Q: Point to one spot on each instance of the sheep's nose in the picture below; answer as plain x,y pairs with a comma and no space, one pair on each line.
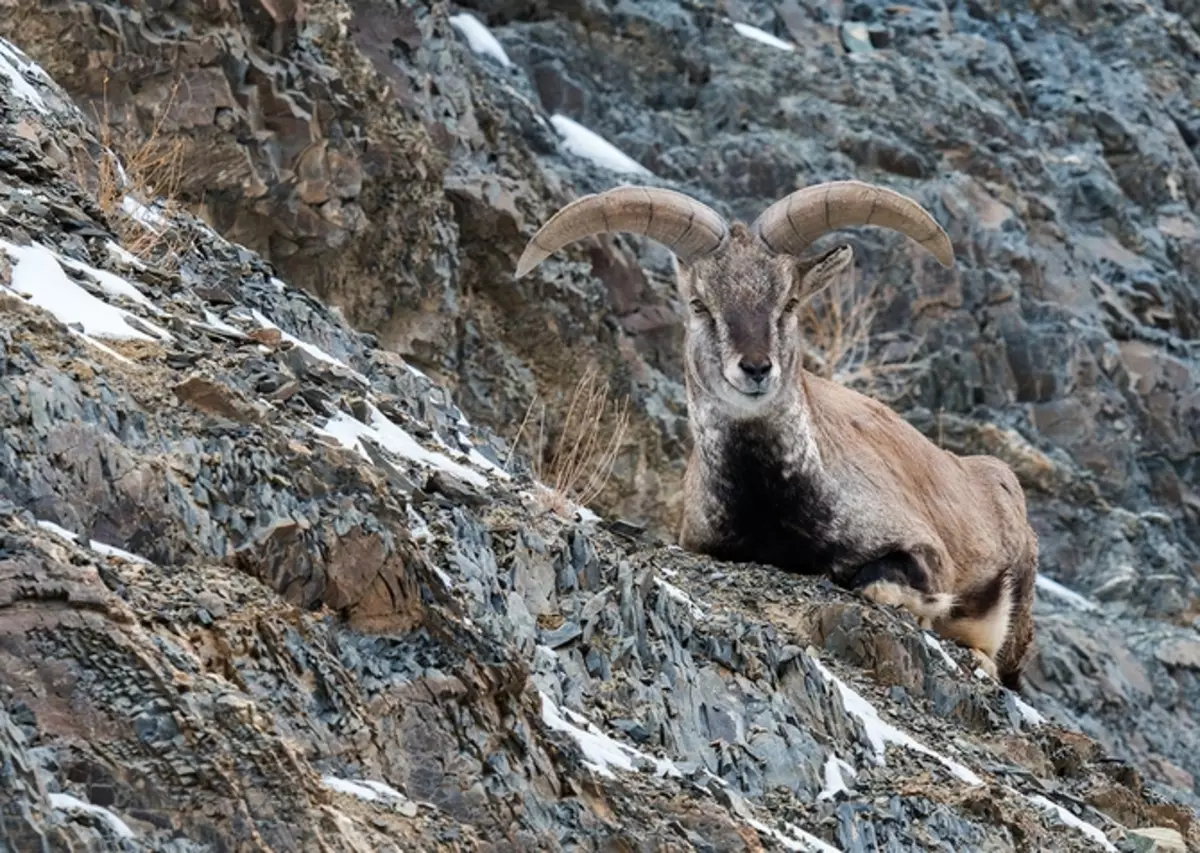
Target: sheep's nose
755,369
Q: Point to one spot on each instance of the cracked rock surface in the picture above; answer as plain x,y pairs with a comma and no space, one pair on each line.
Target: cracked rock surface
264,585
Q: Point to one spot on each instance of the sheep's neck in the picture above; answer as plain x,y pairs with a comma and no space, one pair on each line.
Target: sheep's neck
772,502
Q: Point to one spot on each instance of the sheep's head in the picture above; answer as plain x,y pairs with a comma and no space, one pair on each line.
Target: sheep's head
742,285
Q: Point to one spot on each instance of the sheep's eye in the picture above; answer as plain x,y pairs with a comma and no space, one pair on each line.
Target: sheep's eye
700,308
791,305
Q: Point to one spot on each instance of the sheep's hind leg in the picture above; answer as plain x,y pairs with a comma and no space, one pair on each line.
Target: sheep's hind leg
980,620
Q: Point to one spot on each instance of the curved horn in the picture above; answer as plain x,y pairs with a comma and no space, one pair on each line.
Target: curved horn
798,219
682,224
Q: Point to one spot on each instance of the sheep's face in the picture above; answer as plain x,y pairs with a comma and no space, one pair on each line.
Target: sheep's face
742,340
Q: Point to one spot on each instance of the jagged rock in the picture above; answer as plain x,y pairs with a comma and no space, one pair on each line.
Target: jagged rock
342,624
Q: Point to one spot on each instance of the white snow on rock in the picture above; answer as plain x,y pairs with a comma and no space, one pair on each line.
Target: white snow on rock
797,840
124,254
95,545
112,284
762,36
348,431
836,773
1070,596
479,37
936,645
212,321
38,274
478,459
68,803
585,143
372,792
601,753
314,351
119,553
682,597
1030,713
880,732
14,66
61,532
1071,820
147,217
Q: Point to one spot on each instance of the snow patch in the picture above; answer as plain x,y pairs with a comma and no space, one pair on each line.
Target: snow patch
349,431
372,792
315,351
149,218
14,68
478,459
62,532
119,553
601,753
107,349
95,545
1070,596
124,254
934,644
114,285
67,803
682,597
479,37
1030,713
417,528
762,36
585,143
38,274
880,732
799,840
1071,820
417,372
836,772
214,322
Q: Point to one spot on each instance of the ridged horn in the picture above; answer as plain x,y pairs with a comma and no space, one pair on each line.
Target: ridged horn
794,222
687,227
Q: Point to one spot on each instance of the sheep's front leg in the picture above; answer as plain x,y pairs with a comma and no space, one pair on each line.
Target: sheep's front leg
897,579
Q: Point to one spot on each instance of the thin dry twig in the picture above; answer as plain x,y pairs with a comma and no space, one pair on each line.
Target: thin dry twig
137,180
836,322
582,460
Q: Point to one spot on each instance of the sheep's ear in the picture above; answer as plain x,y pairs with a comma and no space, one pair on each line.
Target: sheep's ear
817,273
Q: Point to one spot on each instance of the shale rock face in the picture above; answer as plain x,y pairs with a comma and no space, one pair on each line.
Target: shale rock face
265,586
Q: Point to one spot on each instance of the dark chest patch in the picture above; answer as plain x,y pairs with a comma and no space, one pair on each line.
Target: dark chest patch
768,515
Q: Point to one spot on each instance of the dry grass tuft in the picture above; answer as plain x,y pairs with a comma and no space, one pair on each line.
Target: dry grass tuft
136,182
585,449
836,323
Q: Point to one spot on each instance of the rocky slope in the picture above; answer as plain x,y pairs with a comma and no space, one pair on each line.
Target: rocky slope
264,586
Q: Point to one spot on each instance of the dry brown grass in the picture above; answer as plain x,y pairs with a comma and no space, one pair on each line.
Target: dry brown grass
585,448
146,170
836,323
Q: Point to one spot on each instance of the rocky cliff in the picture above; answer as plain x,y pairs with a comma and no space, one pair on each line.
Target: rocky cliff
272,578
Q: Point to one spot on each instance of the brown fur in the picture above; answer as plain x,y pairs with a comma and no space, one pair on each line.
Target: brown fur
871,490
795,471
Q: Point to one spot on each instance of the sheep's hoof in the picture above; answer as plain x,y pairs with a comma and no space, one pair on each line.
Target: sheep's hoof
986,664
